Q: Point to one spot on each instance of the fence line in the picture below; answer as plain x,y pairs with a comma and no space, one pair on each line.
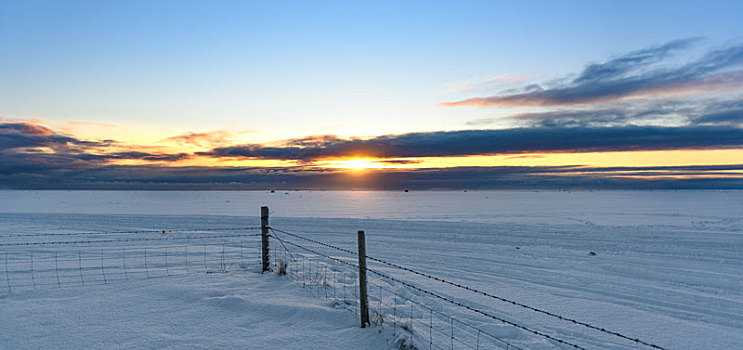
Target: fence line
531,308
122,259
411,319
123,240
430,324
104,266
457,285
128,232
461,286
403,333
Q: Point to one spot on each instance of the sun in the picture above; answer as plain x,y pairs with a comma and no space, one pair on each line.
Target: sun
366,163
355,164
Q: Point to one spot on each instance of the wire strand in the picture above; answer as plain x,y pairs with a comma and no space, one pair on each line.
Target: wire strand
129,232
121,240
459,285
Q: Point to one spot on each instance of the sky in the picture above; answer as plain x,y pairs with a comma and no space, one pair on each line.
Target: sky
382,95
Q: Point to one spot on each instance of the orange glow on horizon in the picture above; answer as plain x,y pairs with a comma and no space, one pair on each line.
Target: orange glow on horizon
595,159
355,164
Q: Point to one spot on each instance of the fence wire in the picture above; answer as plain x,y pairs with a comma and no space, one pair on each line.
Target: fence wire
479,334
62,234
406,311
70,263
406,319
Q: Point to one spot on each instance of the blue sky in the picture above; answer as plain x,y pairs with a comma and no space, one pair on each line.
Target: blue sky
204,64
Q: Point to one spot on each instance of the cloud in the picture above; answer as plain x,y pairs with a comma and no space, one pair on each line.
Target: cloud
501,141
678,113
35,157
399,161
211,138
153,157
152,177
26,134
26,144
314,141
26,128
730,113
631,76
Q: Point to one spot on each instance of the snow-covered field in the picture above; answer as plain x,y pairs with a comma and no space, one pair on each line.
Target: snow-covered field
207,311
667,269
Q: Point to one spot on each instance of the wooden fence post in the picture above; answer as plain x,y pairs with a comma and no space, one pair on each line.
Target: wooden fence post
363,299
264,239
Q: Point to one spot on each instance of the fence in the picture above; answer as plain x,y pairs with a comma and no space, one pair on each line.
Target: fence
410,311
411,307
33,261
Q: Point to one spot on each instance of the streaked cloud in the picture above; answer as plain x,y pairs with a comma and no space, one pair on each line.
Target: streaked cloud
669,114
731,116
211,138
646,73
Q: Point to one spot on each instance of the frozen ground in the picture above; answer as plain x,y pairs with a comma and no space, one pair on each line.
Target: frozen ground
668,266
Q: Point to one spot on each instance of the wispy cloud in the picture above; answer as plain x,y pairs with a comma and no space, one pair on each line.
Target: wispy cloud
731,114
669,114
211,138
314,141
635,75
399,161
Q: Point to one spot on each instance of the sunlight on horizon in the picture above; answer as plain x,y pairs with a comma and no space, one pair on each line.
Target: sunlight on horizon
356,164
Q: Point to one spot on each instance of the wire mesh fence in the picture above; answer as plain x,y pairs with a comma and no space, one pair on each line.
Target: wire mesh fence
65,260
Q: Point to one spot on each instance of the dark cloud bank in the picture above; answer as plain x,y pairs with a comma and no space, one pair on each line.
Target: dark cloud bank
159,178
69,163
502,141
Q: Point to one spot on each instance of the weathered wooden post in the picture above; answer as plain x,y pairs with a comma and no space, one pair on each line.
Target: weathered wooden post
264,239
363,299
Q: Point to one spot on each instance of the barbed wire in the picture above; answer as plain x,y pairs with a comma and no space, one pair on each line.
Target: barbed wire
444,298
130,232
560,317
315,241
454,302
348,251
474,290
445,315
321,254
282,242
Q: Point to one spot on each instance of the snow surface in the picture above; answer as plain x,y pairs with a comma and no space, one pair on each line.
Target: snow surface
668,266
204,311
